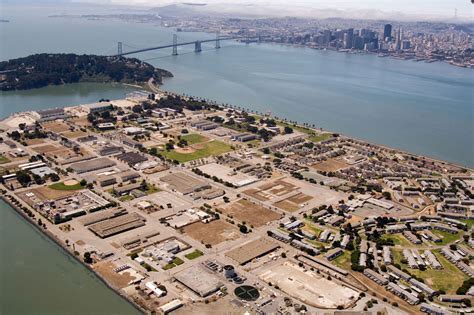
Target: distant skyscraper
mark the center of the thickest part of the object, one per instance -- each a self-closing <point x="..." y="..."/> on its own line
<point x="387" y="31"/>
<point x="349" y="38"/>
<point x="398" y="39"/>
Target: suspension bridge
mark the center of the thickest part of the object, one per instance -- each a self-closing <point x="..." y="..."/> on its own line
<point x="197" y="44"/>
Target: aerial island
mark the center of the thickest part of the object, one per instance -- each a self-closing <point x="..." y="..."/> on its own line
<point x="41" y="70"/>
<point x="182" y="204"/>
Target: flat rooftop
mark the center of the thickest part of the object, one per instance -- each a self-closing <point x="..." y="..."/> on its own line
<point x="257" y="248"/>
<point x="184" y="183"/>
<point x="199" y="280"/>
<point x="117" y="225"/>
<point x="92" y="165"/>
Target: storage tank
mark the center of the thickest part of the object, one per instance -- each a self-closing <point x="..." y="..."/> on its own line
<point x="229" y="271"/>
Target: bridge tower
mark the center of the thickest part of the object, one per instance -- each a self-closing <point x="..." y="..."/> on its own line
<point x="218" y="42"/>
<point x="197" y="46"/>
<point x="119" y="49"/>
<point x="175" y="45"/>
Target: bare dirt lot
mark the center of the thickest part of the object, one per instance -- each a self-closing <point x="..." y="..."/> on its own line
<point x="74" y="134"/>
<point x="82" y="122"/>
<point x="106" y="269"/>
<point x="271" y="190"/>
<point x="56" y="126"/>
<point x="330" y="165"/>
<point x="34" y="141"/>
<point x="293" y="203"/>
<point x="246" y="211"/>
<point x="46" y="148"/>
<point x="212" y="233"/>
<point x="45" y="193"/>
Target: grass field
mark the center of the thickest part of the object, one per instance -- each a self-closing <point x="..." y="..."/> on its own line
<point x="469" y="223"/>
<point x="151" y="189"/>
<point x="176" y="262"/>
<point x="126" y="198"/>
<point x="62" y="186"/>
<point x="193" y="255"/>
<point x="194" y="138"/>
<point x="343" y="261"/>
<point x="3" y="159"/>
<point x="208" y="149"/>
<point x="448" y="279"/>
<point x="297" y="128"/>
<point x="311" y="228"/>
<point x="446" y="237"/>
<point x="398" y="239"/>
<point x="320" y="137"/>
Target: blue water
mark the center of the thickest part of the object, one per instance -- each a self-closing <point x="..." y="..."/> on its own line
<point x="418" y="107"/>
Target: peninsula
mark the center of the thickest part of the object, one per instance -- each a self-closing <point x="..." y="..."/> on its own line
<point x="180" y="202"/>
<point x="41" y="70"/>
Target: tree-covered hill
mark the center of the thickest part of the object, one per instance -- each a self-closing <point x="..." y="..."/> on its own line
<point x="41" y="70"/>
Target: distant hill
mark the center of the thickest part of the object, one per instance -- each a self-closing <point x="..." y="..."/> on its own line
<point x="41" y="70"/>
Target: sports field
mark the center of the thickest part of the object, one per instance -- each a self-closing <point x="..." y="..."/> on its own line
<point x="197" y="151"/>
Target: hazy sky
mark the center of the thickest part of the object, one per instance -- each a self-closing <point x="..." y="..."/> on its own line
<point x="438" y="8"/>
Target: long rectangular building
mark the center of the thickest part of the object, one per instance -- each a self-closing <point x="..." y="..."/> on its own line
<point x="397" y="272"/>
<point x="434" y="262"/>
<point x="397" y="290"/>
<point x="117" y="225"/>
<point x="92" y="165"/>
<point x="375" y="276"/>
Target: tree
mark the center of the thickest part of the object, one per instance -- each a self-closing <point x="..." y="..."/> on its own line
<point x="87" y="258"/>
<point x="387" y="195"/>
<point x="288" y="130"/>
<point x="23" y="177"/>
<point x="243" y="229"/>
<point x="83" y="182"/>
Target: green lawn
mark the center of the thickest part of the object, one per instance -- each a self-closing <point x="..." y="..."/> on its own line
<point x="310" y="227"/>
<point x="469" y="223"/>
<point x="193" y="138"/>
<point x="176" y="262"/>
<point x="344" y="261"/>
<point x="197" y="253"/>
<point x="61" y="186"/>
<point x="3" y="159"/>
<point x="151" y="189"/>
<point x="209" y="149"/>
<point x="320" y="137"/>
<point x="448" y="279"/>
<point x="297" y="128"/>
<point x="446" y="237"/>
<point x="398" y="239"/>
<point x="126" y="198"/>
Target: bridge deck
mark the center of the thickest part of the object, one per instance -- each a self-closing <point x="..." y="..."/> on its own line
<point x="179" y="44"/>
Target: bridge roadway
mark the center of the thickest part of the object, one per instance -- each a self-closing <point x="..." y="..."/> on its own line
<point x="180" y="44"/>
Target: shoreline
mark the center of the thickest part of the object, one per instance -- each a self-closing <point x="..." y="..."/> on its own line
<point x="321" y="130"/>
<point x="66" y="251"/>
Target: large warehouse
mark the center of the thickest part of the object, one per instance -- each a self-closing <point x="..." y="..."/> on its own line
<point x="92" y="165"/>
<point x="199" y="280"/>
